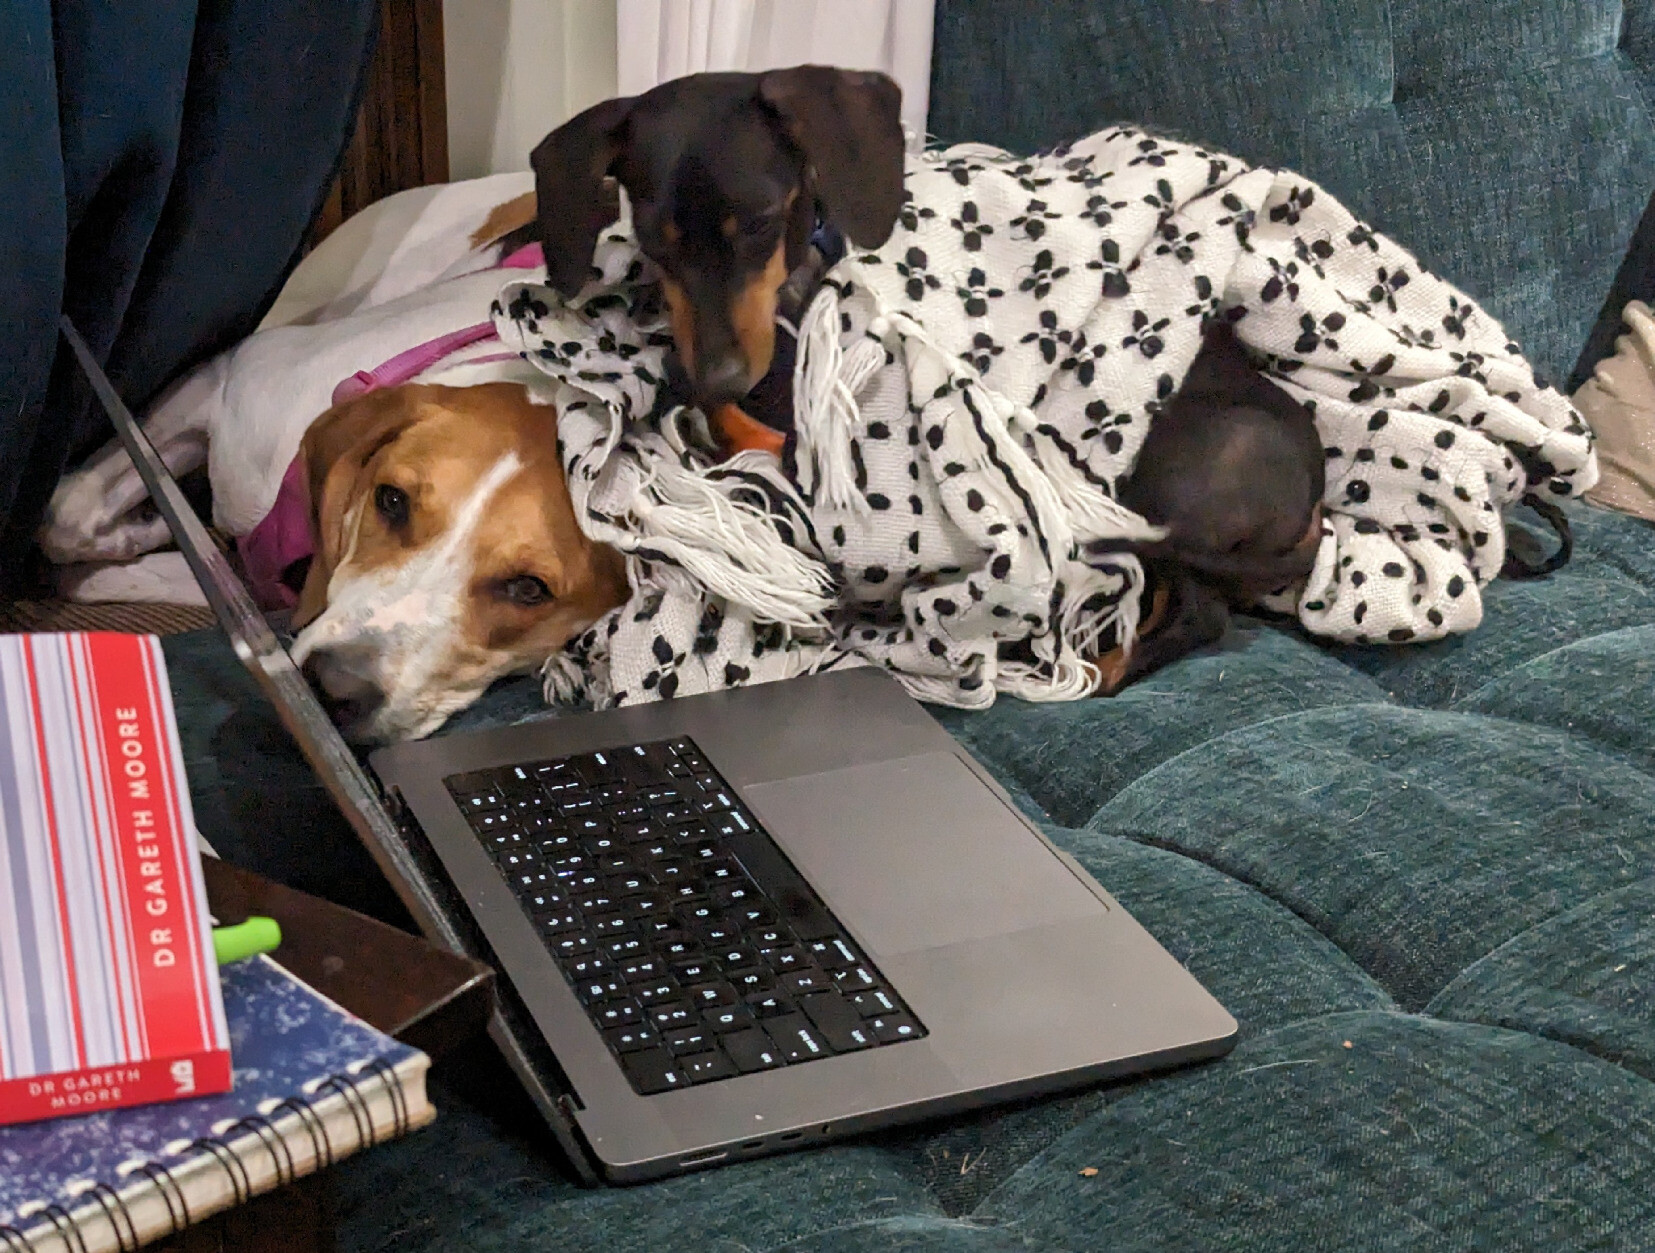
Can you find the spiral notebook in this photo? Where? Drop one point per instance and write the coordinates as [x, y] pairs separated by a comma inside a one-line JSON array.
[[313, 1084]]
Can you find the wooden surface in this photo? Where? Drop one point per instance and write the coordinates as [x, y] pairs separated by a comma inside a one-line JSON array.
[[401, 137]]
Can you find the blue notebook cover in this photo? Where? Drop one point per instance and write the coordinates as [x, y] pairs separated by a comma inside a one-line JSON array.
[[312, 1084]]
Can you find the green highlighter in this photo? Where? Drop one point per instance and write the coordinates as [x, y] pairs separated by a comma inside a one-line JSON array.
[[245, 939]]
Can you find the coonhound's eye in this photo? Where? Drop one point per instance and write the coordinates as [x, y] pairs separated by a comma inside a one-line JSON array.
[[393, 505], [526, 590]]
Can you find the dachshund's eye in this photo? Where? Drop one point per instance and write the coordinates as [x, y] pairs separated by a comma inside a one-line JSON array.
[[393, 505], [526, 590]]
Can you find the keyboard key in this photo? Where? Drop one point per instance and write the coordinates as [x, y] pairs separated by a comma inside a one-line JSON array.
[[555, 844], [689, 1039], [708, 995], [599, 902], [751, 1050], [679, 944], [497, 820], [652, 1071], [642, 970], [630, 1038], [752, 979], [782, 960], [836, 1018], [875, 1003], [856, 979], [727, 1018], [672, 1016], [672, 815], [557, 921], [586, 827], [618, 1014], [834, 954], [768, 1004], [747, 916], [586, 966], [803, 982], [797, 1038], [606, 926], [546, 902], [698, 970], [655, 991], [505, 840], [520, 858], [485, 797], [889, 1028], [643, 904], [532, 882], [726, 894], [576, 807], [624, 948], [702, 1067], [591, 991]]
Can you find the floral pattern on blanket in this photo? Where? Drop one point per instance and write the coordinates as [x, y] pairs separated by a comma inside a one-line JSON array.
[[969, 396]]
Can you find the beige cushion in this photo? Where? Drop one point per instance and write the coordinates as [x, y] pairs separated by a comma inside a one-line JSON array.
[[1619, 403]]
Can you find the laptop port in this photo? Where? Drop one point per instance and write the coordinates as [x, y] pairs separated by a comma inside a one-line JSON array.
[[703, 1159]]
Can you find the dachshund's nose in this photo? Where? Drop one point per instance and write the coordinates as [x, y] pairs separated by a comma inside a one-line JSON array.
[[724, 381]]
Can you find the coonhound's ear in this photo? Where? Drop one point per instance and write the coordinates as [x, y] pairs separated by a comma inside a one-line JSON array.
[[848, 123], [569, 169]]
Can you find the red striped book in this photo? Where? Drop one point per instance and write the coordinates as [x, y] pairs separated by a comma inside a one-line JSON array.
[[109, 990]]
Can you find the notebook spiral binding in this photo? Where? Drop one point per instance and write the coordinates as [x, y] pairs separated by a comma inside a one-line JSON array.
[[115, 1210]]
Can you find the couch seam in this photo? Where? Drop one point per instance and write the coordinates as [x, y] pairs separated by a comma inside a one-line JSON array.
[[1220, 738], [1523, 665], [1524, 933]]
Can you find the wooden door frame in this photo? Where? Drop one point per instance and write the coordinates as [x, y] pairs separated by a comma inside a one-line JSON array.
[[401, 135]]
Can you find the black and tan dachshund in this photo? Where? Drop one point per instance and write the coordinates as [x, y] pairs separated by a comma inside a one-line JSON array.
[[736, 181]]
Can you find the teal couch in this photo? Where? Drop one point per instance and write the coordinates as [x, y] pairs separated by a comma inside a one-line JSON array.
[[1422, 878]]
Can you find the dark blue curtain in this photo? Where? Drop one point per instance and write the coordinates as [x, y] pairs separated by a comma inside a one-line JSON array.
[[160, 162]]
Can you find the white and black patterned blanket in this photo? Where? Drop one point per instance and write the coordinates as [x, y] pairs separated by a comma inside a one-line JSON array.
[[968, 397]]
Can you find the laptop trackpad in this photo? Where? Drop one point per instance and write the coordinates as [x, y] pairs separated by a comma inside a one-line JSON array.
[[916, 852]]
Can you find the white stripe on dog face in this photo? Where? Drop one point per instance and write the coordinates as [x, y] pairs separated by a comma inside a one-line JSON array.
[[396, 629]]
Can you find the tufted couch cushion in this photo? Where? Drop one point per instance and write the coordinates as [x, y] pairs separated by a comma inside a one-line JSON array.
[[1422, 878]]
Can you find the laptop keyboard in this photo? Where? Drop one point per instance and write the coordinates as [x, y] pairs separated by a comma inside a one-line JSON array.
[[696, 947]]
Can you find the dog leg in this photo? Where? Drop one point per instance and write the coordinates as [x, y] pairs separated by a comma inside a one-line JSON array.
[[1198, 617], [95, 513]]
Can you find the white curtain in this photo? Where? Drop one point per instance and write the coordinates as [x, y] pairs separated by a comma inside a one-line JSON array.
[[661, 39]]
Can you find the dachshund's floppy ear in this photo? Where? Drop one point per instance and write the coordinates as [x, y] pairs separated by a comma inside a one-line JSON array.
[[569, 168], [848, 124]]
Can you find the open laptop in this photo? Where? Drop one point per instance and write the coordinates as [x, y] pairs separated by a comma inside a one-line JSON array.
[[738, 923]]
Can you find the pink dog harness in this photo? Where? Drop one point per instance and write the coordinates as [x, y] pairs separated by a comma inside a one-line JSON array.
[[283, 536]]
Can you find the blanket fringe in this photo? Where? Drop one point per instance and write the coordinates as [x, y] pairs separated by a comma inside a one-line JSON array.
[[730, 547], [826, 380]]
